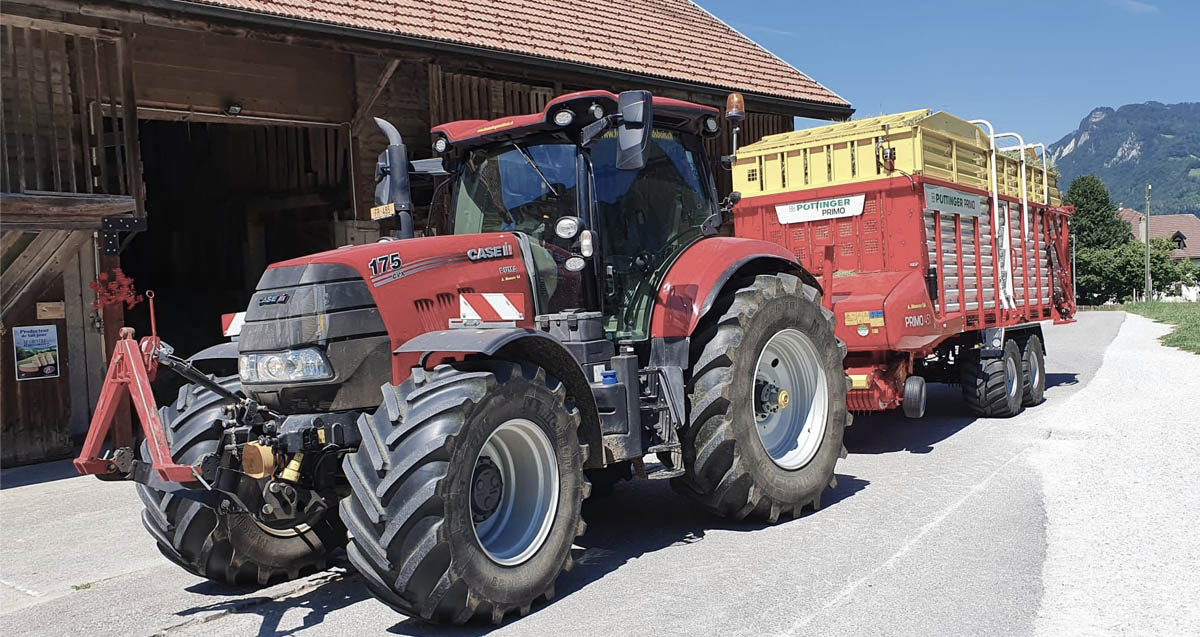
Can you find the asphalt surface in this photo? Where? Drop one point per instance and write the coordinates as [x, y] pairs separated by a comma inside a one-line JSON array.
[[1079, 516]]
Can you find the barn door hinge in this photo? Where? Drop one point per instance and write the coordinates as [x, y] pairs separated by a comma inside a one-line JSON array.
[[112, 227]]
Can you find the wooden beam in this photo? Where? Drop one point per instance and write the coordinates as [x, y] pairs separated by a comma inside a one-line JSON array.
[[33, 211], [57, 27], [380, 84], [133, 152]]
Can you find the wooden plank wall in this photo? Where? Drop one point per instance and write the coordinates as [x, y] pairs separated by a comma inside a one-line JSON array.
[[61, 125], [205, 72], [34, 414], [457, 96]]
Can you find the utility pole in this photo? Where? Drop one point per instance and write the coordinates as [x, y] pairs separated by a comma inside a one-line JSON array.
[[1148, 294]]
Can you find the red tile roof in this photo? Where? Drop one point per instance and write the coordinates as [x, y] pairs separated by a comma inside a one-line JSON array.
[[1166, 226], [671, 39]]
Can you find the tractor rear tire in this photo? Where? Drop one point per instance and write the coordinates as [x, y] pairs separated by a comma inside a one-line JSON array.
[[728, 466], [428, 530], [1033, 371], [993, 387], [229, 548]]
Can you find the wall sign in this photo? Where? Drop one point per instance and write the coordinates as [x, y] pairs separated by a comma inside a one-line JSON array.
[[36, 349], [955, 202], [833, 208], [51, 310]]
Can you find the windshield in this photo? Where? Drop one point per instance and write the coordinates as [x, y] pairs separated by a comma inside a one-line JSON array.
[[499, 190]]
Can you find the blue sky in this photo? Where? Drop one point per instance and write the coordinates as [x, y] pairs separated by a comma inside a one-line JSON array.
[[1034, 67]]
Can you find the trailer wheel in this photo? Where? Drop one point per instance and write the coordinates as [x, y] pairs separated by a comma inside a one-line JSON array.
[[230, 548], [767, 402], [993, 387], [914, 397], [466, 491], [1033, 366]]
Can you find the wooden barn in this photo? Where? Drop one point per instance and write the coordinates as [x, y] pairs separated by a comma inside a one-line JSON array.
[[189, 144]]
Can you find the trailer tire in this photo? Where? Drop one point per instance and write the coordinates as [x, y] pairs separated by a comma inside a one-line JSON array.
[[728, 467], [1033, 371], [230, 548], [426, 541], [993, 387], [914, 397]]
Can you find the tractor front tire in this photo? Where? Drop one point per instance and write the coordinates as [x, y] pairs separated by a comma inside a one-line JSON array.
[[229, 548], [993, 387], [466, 491], [767, 402]]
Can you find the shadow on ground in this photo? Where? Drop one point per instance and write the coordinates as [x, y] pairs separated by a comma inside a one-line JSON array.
[[1059, 379], [890, 431], [637, 519], [37, 473]]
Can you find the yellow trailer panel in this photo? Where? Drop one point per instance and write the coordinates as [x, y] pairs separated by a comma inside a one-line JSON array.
[[937, 145]]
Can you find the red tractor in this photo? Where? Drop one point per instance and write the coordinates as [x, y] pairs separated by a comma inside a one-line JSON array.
[[578, 313]]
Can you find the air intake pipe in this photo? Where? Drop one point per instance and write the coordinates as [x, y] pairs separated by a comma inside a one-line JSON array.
[[391, 180]]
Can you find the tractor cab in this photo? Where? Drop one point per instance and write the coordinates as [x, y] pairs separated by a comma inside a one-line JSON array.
[[608, 190]]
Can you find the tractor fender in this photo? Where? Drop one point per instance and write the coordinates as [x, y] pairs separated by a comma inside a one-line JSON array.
[[699, 275], [534, 346], [221, 351]]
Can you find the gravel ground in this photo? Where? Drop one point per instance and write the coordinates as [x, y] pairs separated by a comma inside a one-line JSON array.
[[1121, 468], [1078, 516]]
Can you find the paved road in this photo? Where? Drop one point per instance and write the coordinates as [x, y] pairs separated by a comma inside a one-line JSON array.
[[1079, 516]]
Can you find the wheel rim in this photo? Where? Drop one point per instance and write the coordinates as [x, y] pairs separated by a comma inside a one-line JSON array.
[[1010, 369], [1035, 371], [791, 399], [514, 492]]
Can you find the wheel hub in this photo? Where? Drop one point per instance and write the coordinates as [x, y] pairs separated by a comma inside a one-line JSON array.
[[771, 398], [513, 491], [790, 402], [486, 490]]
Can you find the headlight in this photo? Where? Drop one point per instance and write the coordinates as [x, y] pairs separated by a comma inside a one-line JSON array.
[[564, 117], [567, 228], [282, 367]]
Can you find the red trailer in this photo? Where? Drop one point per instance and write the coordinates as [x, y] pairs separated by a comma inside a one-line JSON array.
[[939, 253]]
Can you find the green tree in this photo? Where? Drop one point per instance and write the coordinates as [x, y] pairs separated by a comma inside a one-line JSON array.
[[1113, 274], [1095, 223]]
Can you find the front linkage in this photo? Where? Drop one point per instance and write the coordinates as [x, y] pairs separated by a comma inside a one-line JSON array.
[[250, 436]]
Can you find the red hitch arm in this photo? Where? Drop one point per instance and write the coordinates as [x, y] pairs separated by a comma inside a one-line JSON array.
[[132, 367]]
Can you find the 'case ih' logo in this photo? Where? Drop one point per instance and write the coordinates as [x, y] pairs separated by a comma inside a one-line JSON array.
[[491, 252], [274, 299]]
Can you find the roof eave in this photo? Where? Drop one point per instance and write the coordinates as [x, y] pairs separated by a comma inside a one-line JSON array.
[[792, 106]]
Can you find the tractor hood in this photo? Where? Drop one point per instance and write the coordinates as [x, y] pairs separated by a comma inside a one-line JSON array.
[[358, 304]]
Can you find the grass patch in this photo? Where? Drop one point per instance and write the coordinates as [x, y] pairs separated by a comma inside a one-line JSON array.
[[1184, 316], [80, 587]]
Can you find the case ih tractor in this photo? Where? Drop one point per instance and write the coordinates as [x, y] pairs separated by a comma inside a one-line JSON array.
[[580, 313]]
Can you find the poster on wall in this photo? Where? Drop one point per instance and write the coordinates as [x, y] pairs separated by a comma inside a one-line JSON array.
[[36, 349]]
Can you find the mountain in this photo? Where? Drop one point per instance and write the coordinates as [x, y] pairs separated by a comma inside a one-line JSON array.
[[1135, 145]]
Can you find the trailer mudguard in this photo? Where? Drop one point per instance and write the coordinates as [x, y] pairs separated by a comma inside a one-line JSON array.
[[991, 339], [697, 277], [516, 343]]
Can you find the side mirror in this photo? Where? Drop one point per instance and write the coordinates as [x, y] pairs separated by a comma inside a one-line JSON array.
[[633, 135], [393, 194]]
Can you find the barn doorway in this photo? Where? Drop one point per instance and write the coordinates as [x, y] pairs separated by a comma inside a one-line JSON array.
[[223, 201]]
